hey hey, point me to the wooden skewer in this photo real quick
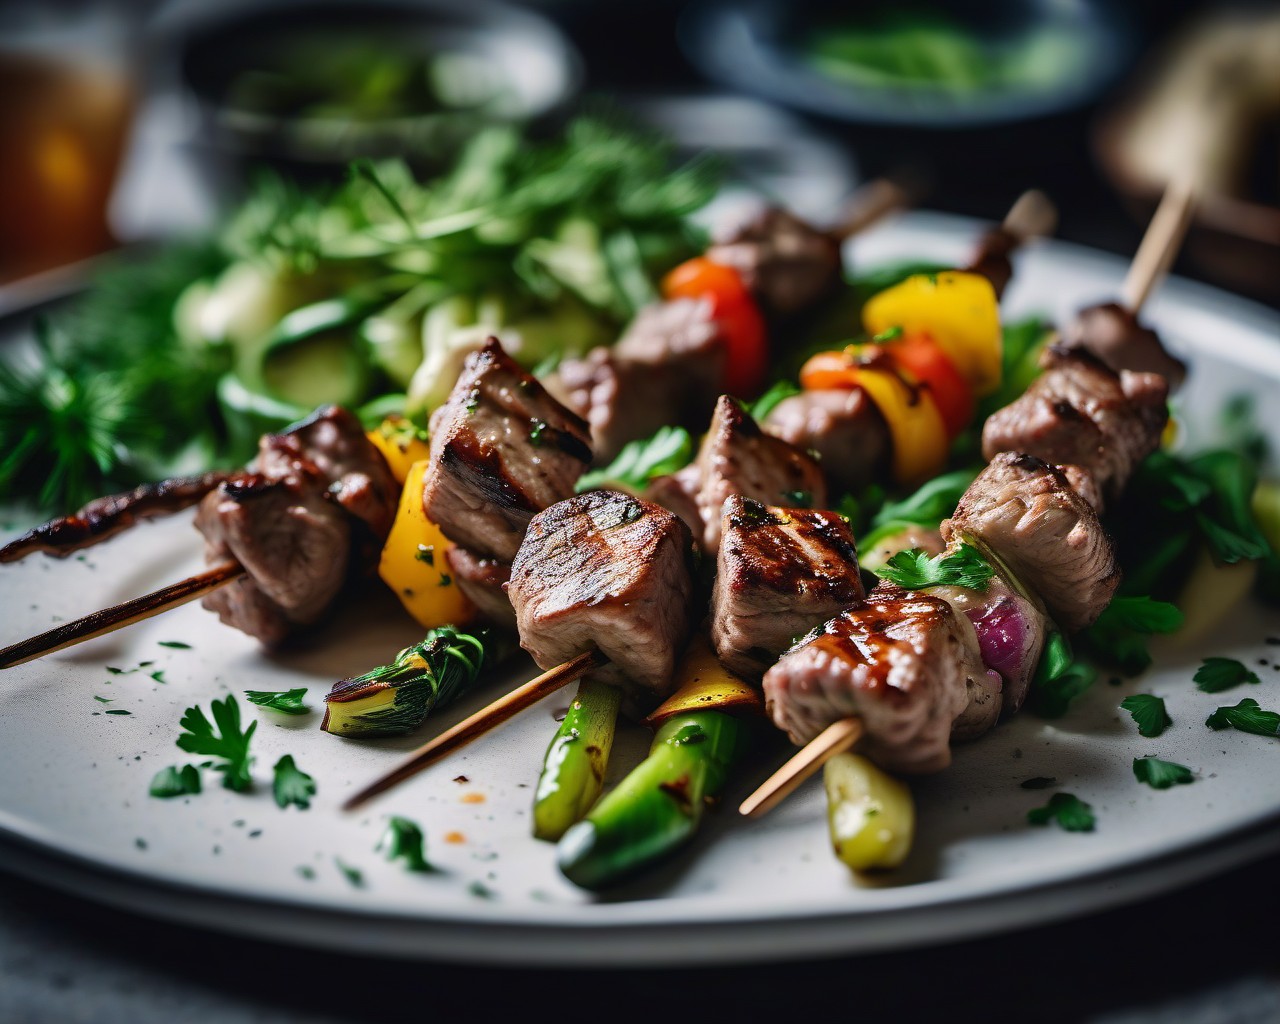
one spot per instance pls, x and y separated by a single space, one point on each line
835 739
481 722
109 619
1032 215
1154 256
872 202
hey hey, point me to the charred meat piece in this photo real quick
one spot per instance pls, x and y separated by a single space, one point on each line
845 429
293 540
332 441
737 457
780 573
905 663
991 259
1111 333
609 571
107 516
1011 630
1024 512
483 582
502 450
787 263
1080 412
678 492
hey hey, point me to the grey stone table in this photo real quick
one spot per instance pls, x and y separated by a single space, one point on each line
1208 954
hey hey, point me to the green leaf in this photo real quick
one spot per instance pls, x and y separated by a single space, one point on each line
289 702
767 402
291 785
1148 712
1160 774
403 840
223 738
1119 636
641 462
1217 674
352 874
175 781
932 503
177 645
1246 716
916 570
1070 812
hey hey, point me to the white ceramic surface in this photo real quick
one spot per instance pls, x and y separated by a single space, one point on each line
74 808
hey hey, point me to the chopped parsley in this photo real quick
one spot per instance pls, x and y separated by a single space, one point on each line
102 700
175 781
403 840
426 553
118 711
158 676
536 429
1119 637
1217 674
288 702
353 875
891 334
1070 812
306 871
1160 774
223 739
291 785
1148 712
177 645
1246 716
916 570
766 403
641 462
445 580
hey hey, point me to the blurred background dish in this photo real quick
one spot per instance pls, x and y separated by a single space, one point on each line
951 65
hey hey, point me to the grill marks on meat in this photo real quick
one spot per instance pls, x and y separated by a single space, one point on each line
905 663
1112 334
502 449
786 262
1025 512
107 516
1079 412
737 457
665 369
290 519
609 571
845 429
483 582
780 573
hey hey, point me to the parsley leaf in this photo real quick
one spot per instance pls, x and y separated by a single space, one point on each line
291 785
227 742
1148 712
289 702
1218 674
177 645
1161 774
353 875
1119 635
175 781
767 402
916 570
403 840
1246 716
930 504
1070 812
640 462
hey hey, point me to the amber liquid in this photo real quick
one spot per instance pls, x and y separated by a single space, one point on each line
63 124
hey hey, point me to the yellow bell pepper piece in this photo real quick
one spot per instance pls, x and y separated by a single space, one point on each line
915 426
402 443
871 815
413 562
958 310
703 684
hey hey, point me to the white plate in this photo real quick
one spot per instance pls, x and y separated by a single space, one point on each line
76 812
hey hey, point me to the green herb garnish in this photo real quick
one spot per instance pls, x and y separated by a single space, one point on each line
291 785
222 738
1119 637
778 392
1217 674
176 781
641 462
1070 812
353 875
1148 712
1160 774
1246 716
403 840
916 570
288 702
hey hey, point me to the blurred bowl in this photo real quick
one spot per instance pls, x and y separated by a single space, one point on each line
955 65
322 82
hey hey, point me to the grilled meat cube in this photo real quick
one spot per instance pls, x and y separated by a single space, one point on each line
678 492
845 429
502 450
332 440
787 263
780 573
905 663
1011 631
609 571
737 457
1111 333
1024 511
1079 412
483 582
1082 482
293 540
991 259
